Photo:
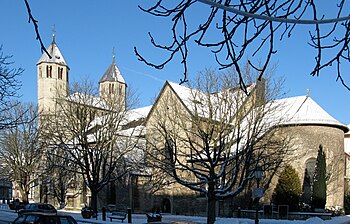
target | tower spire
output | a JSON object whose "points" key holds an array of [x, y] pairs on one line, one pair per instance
{"points": [[113, 55], [53, 28]]}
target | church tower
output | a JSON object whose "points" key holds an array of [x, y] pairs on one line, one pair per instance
{"points": [[52, 78], [113, 86]]}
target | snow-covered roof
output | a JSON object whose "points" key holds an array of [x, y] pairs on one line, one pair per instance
{"points": [[302, 110], [138, 113], [131, 122], [193, 99], [112, 74], [137, 117], [93, 101], [55, 53]]}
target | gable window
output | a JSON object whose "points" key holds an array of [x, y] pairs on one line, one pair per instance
{"points": [[49, 71], [169, 155]]}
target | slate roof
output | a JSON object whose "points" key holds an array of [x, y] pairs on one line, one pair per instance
{"points": [[55, 53], [112, 74]]}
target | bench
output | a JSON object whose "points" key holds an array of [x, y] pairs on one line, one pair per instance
{"points": [[117, 215]]}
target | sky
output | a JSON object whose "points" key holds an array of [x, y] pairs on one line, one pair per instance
{"points": [[87, 31]]}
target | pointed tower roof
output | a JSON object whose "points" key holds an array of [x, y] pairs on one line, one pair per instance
{"points": [[112, 74], [55, 53]]}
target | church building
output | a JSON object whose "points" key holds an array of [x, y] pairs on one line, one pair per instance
{"points": [[312, 125]]}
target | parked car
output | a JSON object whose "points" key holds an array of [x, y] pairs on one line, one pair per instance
{"points": [[38, 207], [43, 218]]}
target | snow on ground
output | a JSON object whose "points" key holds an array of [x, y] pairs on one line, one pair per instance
{"points": [[166, 218]]}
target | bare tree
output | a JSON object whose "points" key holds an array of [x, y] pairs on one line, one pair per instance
{"points": [[86, 132], [236, 30], [9, 85], [20, 151], [212, 140], [60, 180]]}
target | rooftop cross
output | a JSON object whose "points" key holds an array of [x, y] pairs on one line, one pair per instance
{"points": [[53, 28], [307, 92], [113, 54]]}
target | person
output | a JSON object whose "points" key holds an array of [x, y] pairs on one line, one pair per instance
{"points": [[16, 204]]}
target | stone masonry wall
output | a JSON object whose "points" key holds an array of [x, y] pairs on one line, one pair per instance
{"points": [[306, 142]]}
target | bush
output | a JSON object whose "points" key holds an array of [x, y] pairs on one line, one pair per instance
{"points": [[288, 189]]}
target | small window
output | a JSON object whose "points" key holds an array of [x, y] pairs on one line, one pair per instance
{"points": [[111, 88], [49, 71], [60, 72], [40, 72]]}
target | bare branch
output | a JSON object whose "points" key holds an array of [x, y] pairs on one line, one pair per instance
{"points": [[250, 29], [36, 28]]}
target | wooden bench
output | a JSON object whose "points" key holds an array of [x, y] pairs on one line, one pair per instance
{"points": [[117, 215]]}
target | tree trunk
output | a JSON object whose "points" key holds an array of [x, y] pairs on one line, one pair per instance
{"points": [[94, 199], [211, 209]]}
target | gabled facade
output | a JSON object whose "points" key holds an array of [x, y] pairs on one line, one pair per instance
{"points": [[305, 122]]}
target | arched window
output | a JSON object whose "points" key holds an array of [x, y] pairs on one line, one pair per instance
{"points": [[60, 72], [166, 206], [40, 72], [48, 71], [310, 165], [309, 173]]}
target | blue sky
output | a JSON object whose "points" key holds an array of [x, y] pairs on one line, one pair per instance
{"points": [[87, 31]]}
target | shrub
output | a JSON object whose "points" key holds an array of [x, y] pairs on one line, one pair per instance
{"points": [[288, 189]]}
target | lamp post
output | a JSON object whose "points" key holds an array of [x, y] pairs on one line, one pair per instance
{"points": [[258, 173]]}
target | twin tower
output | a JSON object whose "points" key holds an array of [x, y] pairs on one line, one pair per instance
{"points": [[53, 80]]}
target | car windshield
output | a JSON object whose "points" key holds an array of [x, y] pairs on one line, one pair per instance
{"points": [[28, 218]]}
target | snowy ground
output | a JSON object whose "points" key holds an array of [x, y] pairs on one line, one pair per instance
{"points": [[141, 218]]}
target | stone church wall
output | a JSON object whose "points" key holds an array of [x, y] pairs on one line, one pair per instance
{"points": [[306, 142]]}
